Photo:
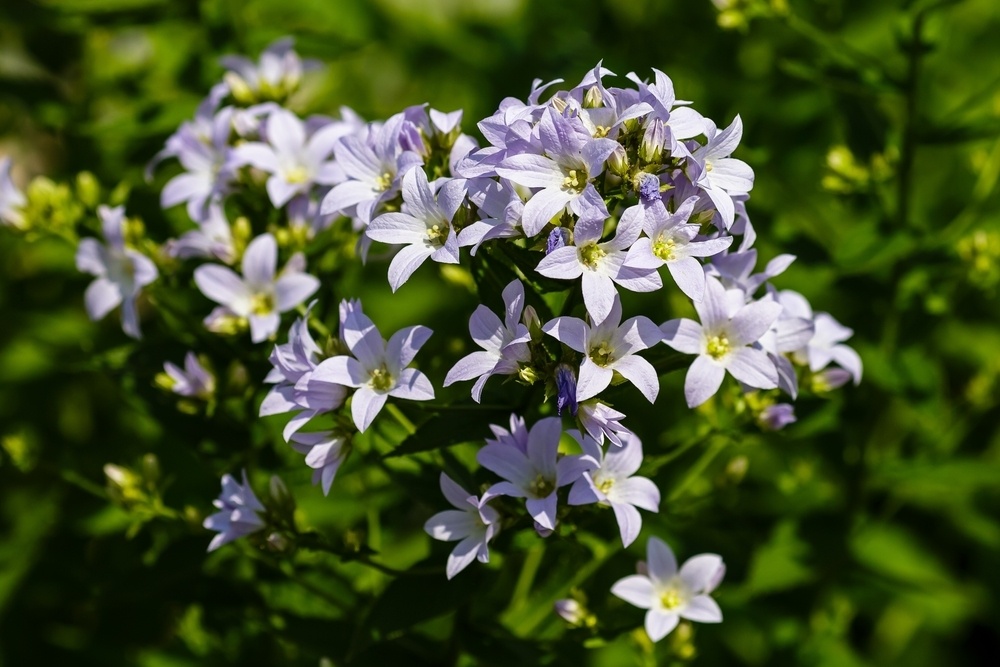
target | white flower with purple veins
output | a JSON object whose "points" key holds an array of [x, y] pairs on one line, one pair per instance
{"points": [[536, 472], [325, 453], [720, 176], [423, 224], [193, 380], [608, 348], [378, 368], [613, 483], [239, 512], [296, 162], [295, 390], [121, 271], [373, 167], [213, 238], [204, 152], [261, 294], [669, 594], [670, 241], [564, 173], [505, 344], [11, 199], [724, 341], [602, 265], [472, 524]]}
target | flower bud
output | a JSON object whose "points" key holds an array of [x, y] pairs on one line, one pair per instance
{"points": [[776, 417], [558, 238], [618, 162], [648, 187], [593, 98], [531, 320], [565, 389], [239, 88], [570, 611], [653, 141]]}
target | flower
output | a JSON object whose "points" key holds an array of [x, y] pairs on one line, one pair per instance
{"points": [[609, 348], [473, 524], [295, 161], [121, 271], [613, 484], [194, 380], [239, 512], [424, 225], [536, 472], [719, 175], [600, 421], [259, 296], [202, 147], [826, 345], [601, 265], [776, 417], [724, 341], [565, 389], [378, 369], [505, 344], [325, 452], [275, 77], [213, 238], [11, 198], [669, 594]]}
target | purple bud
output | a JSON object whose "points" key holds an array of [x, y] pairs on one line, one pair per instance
{"points": [[565, 389], [542, 530], [653, 141], [410, 139], [649, 188], [558, 238], [776, 417], [570, 610]]}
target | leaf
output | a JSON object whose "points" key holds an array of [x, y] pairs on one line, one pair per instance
{"points": [[410, 600]]}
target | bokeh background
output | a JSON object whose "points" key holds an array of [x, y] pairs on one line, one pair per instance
{"points": [[868, 533]]}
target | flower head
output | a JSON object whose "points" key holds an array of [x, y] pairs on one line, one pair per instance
{"points": [[325, 452], [473, 524], [239, 512], [194, 380]]}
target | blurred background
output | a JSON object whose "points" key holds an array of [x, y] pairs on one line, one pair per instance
{"points": [[868, 533]]}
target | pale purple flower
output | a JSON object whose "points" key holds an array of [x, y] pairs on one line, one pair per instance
{"points": [[516, 436], [303, 213], [600, 421], [724, 341], [602, 265], [325, 452], [649, 189], [294, 389], [610, 347], [614, 483], [239, 512], [682, 122], [776, 417], [11, 198], [295, 161], [423, 225], [536, 472], [500, 209], [473, 524], [670, 595], [373, 167], [827, 346], [571, 160], [121, 271], [203, 149], [277, 73], [735, 270], [719, 175], [504, 344], [193, 380], [212, 238], [261, 294], [670, 241], [829, 379], [570, 611], [378, 369]]}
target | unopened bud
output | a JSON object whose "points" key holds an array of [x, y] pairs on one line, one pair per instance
{"points": [[653, 140], [618, 162], [593, 98]]}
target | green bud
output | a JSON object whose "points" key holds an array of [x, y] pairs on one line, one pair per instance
{"points": [[88, 190], [239, 88]]}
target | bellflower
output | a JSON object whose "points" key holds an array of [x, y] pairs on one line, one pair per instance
{"points": [[723, 342], [473, 524], [671, 242], [719, 175], [735, 270], [535, 473], [602, 265], [610, 347], [207, 160], [600, 422], [377, 369], [571, 160], [424, 225], [776, 417], [683, 122], [296, 162], [11, 198], [613, 483], [193, 380], [826, 345], [239, 512], [121, 271], [260, 295], [505, 344], [276, 75], [670, 595], [212, 238], [325, 452], [565, 389]]}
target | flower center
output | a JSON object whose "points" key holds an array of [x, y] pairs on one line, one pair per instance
{"points": [[381, 380], [437, 234], [708, 166], [605, 485], [262, 304], [601, 354], [591, 254], [600, 131], [541, 487], [576, 180], [383, 181], [671, 599], [664, 248], [297, 175], [717, 347]]}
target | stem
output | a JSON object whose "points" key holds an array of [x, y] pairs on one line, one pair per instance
{"points": [[698, 468]]}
